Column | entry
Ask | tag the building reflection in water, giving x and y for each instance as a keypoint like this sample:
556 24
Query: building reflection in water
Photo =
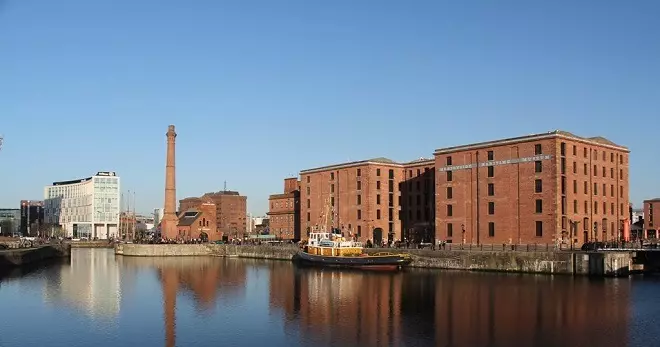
91 284
204 278
418 308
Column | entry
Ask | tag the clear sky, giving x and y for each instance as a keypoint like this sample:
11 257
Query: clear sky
259 90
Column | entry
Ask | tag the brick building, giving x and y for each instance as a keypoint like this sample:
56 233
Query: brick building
376 199
231 211
651 210
284 211
418 201
195 221
359 198
543 188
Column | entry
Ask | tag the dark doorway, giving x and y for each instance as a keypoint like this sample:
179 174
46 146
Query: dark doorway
204 237
378 236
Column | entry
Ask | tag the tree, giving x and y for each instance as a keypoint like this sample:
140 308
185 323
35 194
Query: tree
58 231
7 227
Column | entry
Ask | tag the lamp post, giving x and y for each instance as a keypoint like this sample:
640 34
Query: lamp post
595 237
463 233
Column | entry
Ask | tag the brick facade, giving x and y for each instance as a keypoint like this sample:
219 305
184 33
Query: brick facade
418 201
359 198
204 220
284 212
231 211
545 188
651 220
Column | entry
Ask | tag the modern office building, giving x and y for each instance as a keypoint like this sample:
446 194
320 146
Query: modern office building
158 215
85 208
32 218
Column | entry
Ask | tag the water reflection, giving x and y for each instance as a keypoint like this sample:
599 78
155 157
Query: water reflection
422 308
205 278
239 302
90 283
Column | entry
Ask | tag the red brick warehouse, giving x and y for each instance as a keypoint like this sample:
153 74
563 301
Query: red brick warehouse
230 214
544 188
284 211
651 212
376 199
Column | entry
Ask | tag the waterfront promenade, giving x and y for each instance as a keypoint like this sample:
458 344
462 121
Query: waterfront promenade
542 262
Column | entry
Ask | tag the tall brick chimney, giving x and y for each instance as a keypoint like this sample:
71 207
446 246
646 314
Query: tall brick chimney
170 221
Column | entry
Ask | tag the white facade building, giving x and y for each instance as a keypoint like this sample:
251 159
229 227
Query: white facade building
158 215
87 207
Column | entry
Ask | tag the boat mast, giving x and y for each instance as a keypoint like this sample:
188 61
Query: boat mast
335 209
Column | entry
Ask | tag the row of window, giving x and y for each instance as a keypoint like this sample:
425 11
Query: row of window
538 168
538 188
585 151
428 215
491 229
585 170
650 217
359 215
419 172
281 218
358 173
390 187
428 185
284 204
539 208
595 190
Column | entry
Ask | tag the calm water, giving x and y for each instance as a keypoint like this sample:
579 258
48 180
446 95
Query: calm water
99 300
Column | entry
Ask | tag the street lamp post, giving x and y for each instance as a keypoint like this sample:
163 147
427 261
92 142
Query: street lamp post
595 237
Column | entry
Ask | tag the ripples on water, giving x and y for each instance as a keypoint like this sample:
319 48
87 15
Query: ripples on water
99 300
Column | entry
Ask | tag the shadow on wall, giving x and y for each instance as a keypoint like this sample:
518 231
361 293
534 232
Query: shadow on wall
417 212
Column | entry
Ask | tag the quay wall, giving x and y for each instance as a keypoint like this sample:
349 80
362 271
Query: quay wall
541 262
91 244
545 262
242 251
12 258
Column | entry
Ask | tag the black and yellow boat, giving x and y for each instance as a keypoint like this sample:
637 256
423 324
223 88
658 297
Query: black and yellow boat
322 250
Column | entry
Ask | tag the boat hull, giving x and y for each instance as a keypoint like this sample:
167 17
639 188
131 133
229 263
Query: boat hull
390 262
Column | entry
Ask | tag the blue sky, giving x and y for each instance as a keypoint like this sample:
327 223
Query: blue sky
259 90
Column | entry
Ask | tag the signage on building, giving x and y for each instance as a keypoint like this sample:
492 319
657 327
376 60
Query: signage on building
105 173
497 162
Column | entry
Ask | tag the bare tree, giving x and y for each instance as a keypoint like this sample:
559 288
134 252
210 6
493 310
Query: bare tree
7 227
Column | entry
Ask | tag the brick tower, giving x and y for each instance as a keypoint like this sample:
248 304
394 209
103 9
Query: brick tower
170 221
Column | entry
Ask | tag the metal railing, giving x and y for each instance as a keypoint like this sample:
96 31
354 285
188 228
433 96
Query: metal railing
536 247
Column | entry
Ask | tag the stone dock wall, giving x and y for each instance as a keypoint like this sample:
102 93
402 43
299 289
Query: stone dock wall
243 251
562 262
13 258
91 244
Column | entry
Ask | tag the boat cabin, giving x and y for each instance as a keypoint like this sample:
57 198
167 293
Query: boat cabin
332 244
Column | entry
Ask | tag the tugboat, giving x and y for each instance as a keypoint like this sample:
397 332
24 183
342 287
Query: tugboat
332 250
